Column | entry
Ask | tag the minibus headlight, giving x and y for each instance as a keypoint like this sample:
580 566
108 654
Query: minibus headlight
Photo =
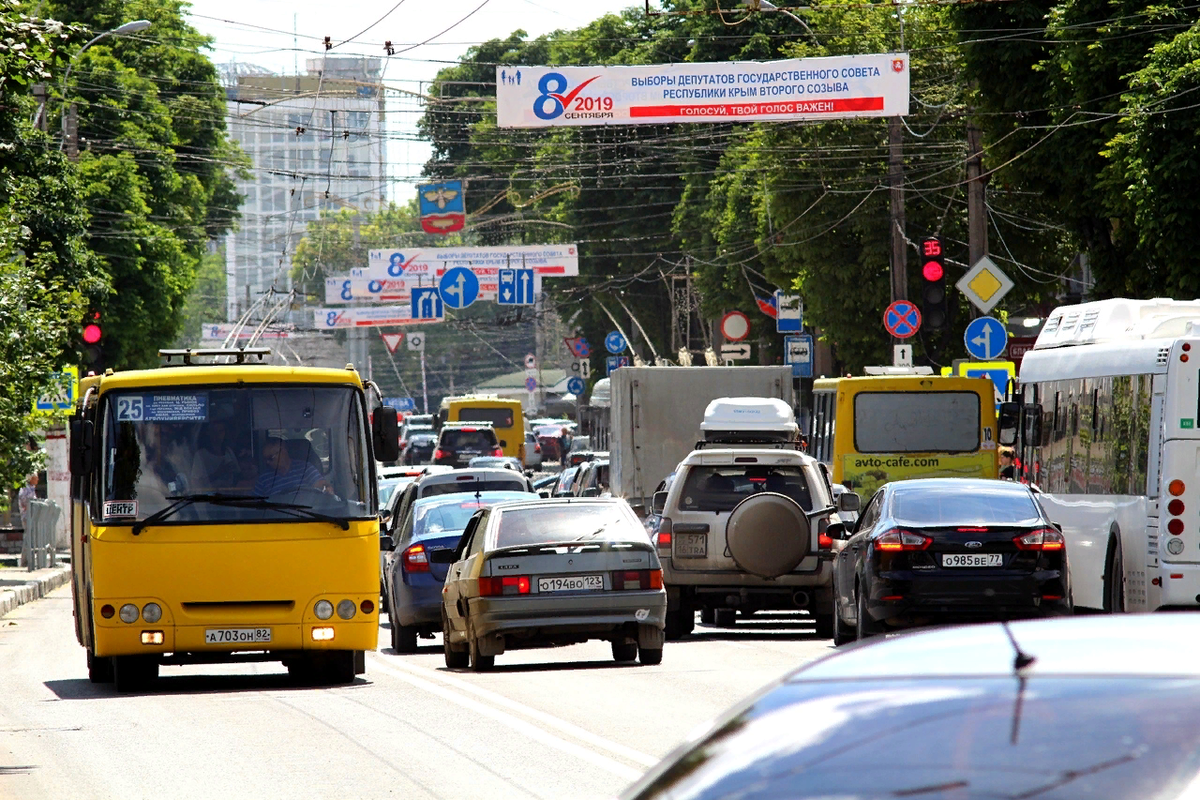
323 609
129 613
152 612
346 609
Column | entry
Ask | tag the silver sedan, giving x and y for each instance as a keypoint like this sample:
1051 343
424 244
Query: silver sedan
550 572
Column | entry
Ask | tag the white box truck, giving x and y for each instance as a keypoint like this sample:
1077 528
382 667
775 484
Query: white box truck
656 416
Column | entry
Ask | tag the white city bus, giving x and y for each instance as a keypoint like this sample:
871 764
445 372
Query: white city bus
1109 434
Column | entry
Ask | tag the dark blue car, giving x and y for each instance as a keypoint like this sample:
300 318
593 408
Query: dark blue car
414 581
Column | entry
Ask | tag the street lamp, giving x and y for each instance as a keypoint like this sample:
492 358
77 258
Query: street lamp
128 27
766 5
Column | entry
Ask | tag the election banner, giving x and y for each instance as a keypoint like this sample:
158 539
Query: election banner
836 87
328 319
552 260
356 288
221 330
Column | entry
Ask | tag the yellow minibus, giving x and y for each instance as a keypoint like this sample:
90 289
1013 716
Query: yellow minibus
503 414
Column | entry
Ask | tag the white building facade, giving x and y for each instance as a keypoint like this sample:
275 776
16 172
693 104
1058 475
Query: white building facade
316 143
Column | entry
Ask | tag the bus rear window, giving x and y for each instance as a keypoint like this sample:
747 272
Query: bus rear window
916 422
498 417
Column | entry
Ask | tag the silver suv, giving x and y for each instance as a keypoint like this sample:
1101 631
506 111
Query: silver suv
745 528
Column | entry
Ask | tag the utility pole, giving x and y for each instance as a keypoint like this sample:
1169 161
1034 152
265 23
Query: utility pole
72 133
977 229
424 385
896 181
39 94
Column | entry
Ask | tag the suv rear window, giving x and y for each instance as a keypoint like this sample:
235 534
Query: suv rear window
721 488
469 439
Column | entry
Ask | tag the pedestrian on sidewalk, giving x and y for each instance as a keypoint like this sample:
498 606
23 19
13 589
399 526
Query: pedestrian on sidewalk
25 496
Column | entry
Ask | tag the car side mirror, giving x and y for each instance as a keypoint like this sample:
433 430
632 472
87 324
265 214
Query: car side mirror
385 434
443 556
837 530
849 502
658 502
545 495
386 543
1009 423
591 491
503 443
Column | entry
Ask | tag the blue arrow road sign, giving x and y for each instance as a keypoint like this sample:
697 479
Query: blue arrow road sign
575 386
516 287
459 287
985 338
427 303
615 343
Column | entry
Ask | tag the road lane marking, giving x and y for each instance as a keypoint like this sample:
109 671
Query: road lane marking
542 717
528 729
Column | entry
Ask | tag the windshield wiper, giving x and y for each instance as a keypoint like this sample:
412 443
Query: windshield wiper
182 502
238 500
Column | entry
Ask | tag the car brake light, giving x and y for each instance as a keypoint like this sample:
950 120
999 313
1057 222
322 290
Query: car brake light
414 559
498 452
896 540
1041 539
439 453
637 579
505 584
825 542
1176 487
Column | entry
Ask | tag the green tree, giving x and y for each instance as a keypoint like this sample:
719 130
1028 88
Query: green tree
43 261
207 300
155 162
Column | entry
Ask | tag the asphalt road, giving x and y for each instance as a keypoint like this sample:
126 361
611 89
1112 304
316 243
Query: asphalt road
560 723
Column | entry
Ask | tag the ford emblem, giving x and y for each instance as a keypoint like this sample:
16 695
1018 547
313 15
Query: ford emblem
974 544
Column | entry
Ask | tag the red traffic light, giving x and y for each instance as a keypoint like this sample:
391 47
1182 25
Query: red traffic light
92 333
932 271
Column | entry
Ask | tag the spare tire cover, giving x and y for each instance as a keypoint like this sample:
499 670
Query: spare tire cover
768 534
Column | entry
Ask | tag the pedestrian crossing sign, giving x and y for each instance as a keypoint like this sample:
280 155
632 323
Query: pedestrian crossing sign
61 393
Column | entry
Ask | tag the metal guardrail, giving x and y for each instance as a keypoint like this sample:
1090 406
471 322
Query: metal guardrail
37 547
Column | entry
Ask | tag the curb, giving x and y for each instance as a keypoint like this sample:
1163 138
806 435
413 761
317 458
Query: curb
14 596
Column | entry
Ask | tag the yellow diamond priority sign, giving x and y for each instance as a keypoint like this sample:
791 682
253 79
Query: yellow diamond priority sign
984 284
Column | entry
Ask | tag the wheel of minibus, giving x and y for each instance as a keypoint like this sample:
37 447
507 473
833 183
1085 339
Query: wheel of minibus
100 670
134 673
338 666
1114 577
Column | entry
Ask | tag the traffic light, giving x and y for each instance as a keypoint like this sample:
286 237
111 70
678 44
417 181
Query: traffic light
93 343
934 312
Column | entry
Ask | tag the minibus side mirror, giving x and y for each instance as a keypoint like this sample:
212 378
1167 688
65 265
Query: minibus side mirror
385 434
82 451
658 502
1009 423
849 502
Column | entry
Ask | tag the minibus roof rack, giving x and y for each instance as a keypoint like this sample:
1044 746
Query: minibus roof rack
240 355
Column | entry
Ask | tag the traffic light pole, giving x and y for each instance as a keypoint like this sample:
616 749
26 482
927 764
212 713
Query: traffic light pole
896 180
977 229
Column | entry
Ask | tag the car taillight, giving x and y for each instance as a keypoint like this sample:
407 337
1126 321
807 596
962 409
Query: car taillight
505 584
498 452
637 579
824 542
896 540
663 537
537 448
1041 539
414 559
439 453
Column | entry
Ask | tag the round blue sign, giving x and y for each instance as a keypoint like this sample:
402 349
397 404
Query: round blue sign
531 384
459 287
985 338
575 386
615 343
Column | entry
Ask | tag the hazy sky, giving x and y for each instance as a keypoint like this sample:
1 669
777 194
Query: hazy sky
281 35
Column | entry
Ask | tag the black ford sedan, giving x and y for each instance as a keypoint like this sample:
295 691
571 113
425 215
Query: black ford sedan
1103 708
946 550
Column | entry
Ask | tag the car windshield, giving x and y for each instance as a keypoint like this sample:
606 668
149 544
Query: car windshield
472 485
468 438
976 505
598 522
387 486
234 454
448 514
413 430
720 488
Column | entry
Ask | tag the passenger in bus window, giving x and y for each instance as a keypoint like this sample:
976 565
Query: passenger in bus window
215 465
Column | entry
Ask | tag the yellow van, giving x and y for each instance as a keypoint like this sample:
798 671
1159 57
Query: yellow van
504 415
